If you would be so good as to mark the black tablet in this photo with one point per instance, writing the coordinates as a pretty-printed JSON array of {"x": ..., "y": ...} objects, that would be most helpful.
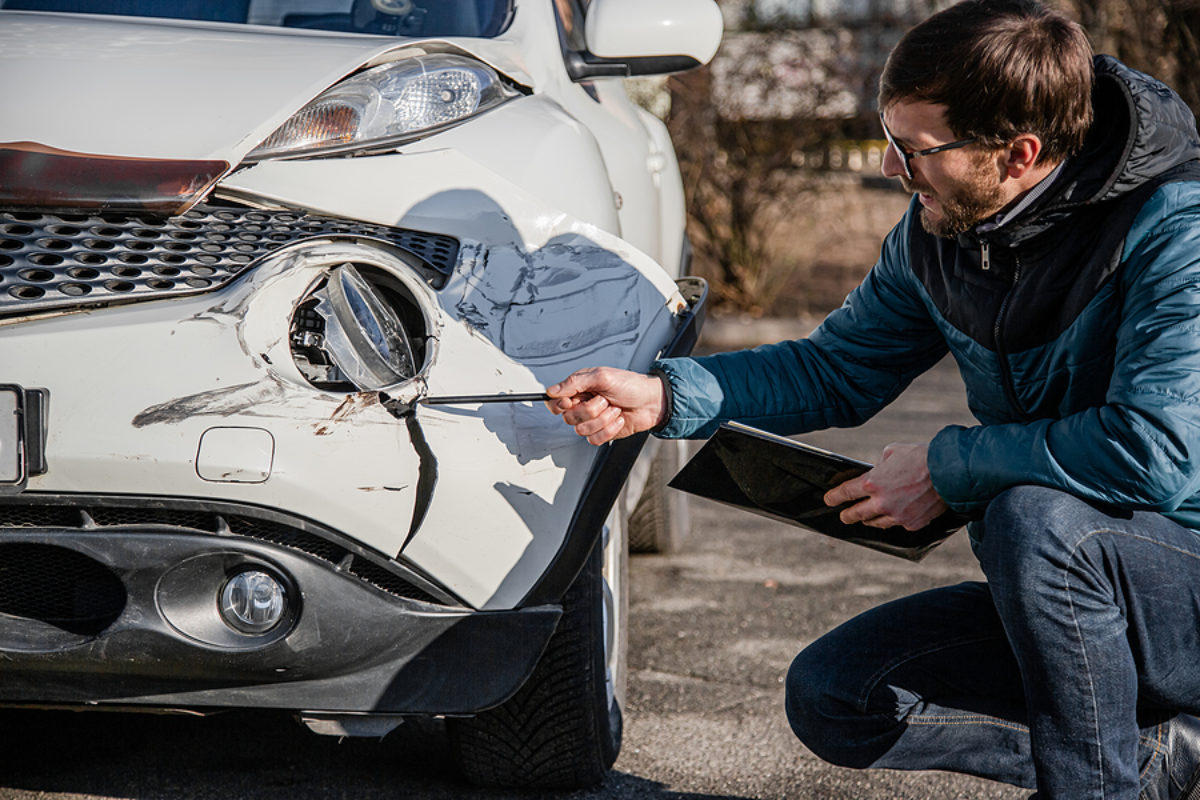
[{"x": 786, "y": 480}]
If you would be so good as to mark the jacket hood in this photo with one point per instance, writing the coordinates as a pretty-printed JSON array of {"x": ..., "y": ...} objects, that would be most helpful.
[{"x": 1141, "y": 129}]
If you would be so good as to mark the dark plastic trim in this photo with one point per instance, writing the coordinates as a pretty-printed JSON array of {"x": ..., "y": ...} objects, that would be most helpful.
[
  {"x": 347, "y": 545},
  {"x": 31, "y": 411},
  {"x": 349, "y": 647},
  {"x": 37, "y": 411},
  {"x": 585, "y": 66}
]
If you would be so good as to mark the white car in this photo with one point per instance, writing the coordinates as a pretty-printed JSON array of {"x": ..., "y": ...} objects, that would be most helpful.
[{"x": 281, "y": 282}]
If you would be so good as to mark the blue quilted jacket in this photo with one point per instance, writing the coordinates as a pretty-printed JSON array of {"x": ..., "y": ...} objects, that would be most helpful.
[{"x": 1075, "y": 327}]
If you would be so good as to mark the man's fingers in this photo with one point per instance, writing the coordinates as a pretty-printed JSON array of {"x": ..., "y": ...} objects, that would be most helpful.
[
  {"x": 859, "y": 512},
  {"x": 610, "y": 431},
  {"x": 596, "y": 423},
  {"x": 603, "y": 428},
  {"x": 575, "y": 383},
  {"x": 603, "y": 403},
  {"x": 897, "y": 491},
  {"x": 588, "y": 381},
  {"x": 846, "y": 491},
  {"x": 587, "y": 410},
  {"x": 560, "y": 405},
  {"x": 868, "y": 513}
]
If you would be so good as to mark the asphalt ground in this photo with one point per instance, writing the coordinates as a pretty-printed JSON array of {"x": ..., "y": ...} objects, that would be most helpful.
[{"x": 713, "y": 630}]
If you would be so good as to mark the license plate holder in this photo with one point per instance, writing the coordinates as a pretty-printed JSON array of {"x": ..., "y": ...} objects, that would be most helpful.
[{"x": 22, "y": 436}]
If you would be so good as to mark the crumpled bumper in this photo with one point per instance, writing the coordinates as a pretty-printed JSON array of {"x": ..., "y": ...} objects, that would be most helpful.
[{"x": 106, "y": 609}]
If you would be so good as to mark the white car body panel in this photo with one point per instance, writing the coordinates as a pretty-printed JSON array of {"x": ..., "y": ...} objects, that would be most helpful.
[{"x": 550, "y": 323}]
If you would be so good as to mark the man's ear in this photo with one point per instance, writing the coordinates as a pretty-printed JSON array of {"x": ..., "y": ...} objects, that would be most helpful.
[{"x": 1021, "y": 155}]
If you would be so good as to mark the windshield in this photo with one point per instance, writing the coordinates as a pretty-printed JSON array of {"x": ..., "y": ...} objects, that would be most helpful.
[{"x": 476, "y": 18}]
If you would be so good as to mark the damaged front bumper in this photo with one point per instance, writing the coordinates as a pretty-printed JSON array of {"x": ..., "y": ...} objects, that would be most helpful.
[
  {"x": 118, "y": 602},
  {"x": 220, "y": 387}
]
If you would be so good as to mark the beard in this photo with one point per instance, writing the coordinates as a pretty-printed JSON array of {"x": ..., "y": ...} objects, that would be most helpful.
[{"x": 966, "y": 204}]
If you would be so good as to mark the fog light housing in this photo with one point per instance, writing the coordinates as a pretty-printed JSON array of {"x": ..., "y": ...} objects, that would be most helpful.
[{"x": 253, "y": 601}]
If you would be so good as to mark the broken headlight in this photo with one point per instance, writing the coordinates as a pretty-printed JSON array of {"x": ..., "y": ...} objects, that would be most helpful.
[
  {"x": 351, "y": 329},
  {"x": 387, "y": 105}
]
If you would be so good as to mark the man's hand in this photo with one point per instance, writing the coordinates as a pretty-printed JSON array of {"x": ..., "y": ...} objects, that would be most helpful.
[
  {"x": 898, "y": 491},
  {"x": 603, "y": 403}
]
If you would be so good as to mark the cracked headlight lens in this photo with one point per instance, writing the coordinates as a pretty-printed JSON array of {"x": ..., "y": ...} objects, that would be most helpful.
[
  {"x": 364, "y": 336},
  {"x": 388, "y": 105}
]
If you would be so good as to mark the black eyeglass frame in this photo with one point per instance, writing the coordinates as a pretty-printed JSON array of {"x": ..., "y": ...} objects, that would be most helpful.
[{"x": 906, "y": 156}]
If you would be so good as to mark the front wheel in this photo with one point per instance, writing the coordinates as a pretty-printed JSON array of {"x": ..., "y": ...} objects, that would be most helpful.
[
  {"x": 660, "y": 519},
  {"x": 562, "y": 729}
]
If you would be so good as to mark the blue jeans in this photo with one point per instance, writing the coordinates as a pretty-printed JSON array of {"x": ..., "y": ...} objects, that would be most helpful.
[{"x": 1061, "y": 673}]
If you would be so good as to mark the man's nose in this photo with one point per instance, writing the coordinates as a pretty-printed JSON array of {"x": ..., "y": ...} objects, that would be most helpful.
[{"x": 893, "y": 164}]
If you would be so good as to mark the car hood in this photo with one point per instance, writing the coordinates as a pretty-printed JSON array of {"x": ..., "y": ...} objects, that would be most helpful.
[{"x": 132, "y": 87}]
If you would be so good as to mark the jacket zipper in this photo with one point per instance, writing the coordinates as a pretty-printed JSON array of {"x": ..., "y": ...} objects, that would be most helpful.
[
  {"x": 1006, "y": 378},
  {"x": 985, "y": 257}
]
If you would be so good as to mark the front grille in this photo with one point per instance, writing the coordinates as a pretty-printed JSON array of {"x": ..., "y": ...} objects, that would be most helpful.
[
  {"x": 39, "y": 517},
  {"x": 92, "y": 517},
  {"x": 59, "y": 587},
  {"x": 54, "y": 261},
  {"x": 105, "y": 517}
]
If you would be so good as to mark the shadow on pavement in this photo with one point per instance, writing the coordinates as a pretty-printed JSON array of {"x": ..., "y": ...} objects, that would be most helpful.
[{"x": 261, "y": 755}]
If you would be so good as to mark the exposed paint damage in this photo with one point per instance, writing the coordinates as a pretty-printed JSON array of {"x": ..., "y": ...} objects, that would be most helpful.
[
  {"x": 245, "y": 398},
  {"x": 541, "y": 306},
  {"x": 519, "y": 317},
  {"x": 353, "y": 404}
]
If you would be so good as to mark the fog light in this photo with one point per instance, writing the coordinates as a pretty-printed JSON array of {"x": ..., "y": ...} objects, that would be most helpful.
[{"x": 253, "y": 601}]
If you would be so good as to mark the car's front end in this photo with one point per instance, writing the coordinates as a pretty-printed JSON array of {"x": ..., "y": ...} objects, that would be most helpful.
[{"x": 239, "y": 266}]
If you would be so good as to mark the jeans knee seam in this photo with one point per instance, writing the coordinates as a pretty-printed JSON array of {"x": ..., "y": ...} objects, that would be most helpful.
[
  {"x": 967, "y": 719},
  {"x": 1087, "y": 667},
  {"x": 1066, "y": 575}
]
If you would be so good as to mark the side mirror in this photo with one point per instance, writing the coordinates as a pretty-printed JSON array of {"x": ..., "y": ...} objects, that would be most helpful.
[{"x": 647, "y": 37}]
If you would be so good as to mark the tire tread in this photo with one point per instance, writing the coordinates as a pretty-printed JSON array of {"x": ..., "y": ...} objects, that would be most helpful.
[{"x": 553, "y": 733}]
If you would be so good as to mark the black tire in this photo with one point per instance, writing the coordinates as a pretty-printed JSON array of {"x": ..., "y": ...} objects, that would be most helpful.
[
  {"x": 659, "y": 521},
  {"x": 559, "y": 731}
]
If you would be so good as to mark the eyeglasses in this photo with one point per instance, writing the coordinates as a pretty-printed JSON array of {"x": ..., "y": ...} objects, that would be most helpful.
[{"x": 906, "y": 156}]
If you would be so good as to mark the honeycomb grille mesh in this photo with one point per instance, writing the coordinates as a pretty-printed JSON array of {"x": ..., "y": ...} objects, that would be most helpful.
[
  {"x": 58, "y": 586},
  {"x": 52, "y": 261}
]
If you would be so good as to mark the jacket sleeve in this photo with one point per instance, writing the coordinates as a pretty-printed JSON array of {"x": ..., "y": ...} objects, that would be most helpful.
[
  {"x": 856, "y": 362},
  {"x": 1141, "y": 448}
]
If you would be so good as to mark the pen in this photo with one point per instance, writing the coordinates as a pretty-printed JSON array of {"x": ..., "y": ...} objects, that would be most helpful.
[{"x": 466, "y": 399}]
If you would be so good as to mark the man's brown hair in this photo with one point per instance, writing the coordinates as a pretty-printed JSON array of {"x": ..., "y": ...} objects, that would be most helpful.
[{"x": 1001, "y": 68}]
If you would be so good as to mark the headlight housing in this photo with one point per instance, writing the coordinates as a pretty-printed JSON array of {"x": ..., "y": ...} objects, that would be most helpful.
[
  {"x": 385, "y": 106},
  {"x": 363, "y": 334},
  {"x": 358, "y": 329}
]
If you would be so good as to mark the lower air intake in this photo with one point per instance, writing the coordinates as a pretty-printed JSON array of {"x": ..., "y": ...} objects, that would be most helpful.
[{"x": 59, "y": 587}]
